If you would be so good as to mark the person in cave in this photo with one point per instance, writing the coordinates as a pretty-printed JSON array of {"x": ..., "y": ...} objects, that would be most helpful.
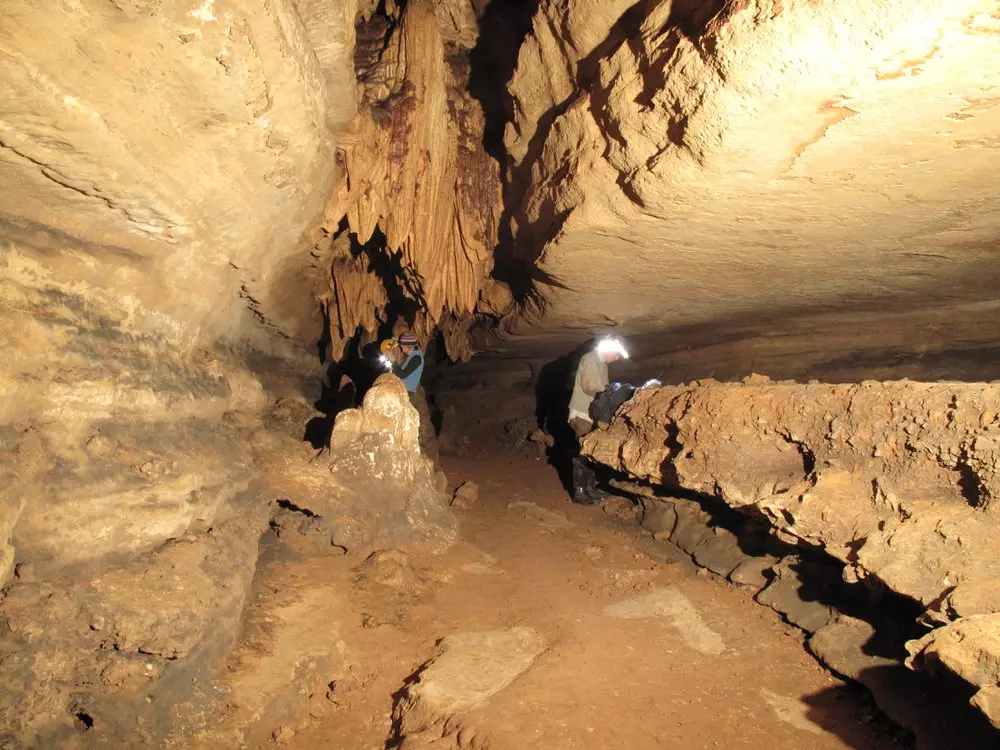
[
  {"x": 591, "y": 379},
  {"x": 408, "y": 366}
]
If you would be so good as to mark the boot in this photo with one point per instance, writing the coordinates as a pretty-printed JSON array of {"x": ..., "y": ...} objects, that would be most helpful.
[{"x": 585, "y": 490}]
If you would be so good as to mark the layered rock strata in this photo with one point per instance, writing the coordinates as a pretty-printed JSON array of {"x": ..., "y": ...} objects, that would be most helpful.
[{"x": 896, "y": 480}]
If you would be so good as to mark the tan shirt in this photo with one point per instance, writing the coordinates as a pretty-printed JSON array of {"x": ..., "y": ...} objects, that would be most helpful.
[{"x": 591, "y": 379}]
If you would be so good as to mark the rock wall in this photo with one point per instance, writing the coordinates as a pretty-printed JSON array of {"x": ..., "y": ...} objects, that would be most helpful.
[
  {"x": 165, "y": 168},
  {"x": 159, "y": 160},
  {"x": 896, "y": 480},
  {"x": 123, "y": 610}
]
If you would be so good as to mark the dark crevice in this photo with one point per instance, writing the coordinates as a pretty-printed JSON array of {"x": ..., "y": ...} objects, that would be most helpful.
[
  {"x": 396, "y": 737},
  {"x": 285, "y": 504},
  {"x": 970, "y": 483},
  {"x": 82, "y": 721}
]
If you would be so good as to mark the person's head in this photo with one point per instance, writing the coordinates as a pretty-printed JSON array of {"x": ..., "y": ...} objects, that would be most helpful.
[
  {"x": 407, "y": 342},
  {"x": 611, "y": 350},
  {"x": 389, "y": 351}
]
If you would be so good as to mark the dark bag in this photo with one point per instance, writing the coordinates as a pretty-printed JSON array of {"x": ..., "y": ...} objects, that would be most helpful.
[{"x": 606, "y": 403}]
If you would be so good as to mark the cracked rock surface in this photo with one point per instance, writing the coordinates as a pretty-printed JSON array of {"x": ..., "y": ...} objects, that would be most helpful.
[{"x": 896, "y": 480}]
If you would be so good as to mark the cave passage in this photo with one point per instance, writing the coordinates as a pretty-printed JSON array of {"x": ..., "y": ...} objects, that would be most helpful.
[{"x": 302, "y": 303}]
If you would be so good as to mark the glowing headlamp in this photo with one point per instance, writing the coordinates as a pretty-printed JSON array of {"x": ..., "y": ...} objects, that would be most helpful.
[{"x": 612, "y": 345}]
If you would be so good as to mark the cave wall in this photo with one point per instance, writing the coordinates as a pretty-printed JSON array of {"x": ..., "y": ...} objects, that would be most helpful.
[
  {"x": 165, "y": 168},
  {"x": 158, "y": 159}
]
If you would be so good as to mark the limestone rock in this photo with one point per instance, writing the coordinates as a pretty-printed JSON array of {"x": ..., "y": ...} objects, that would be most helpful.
[
  {"x": 375, "y": 489},
  {"x": 888, "y": 477},
  {"x": 973, "y": 598},
  {"x": 416, "y": 172},
  {"x": 466, "y": 495},
  {"x": 148, "y": 627},
  {"x": 842, "y": 646},
  {"x": 969, "y": 648},
  {"x": 719, "y": 552},
  {"x": 541, "y": 437},
  {"x": 788, "y": 595},
  {"x": 658, "y": 516},
  {"x": 692, "y": 527},
  {"x": 467, "y": 670},
  {"x": 753, "y": 572}
]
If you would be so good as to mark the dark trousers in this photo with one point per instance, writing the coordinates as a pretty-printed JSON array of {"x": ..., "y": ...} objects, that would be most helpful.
[{"x": 584, "y": 477}]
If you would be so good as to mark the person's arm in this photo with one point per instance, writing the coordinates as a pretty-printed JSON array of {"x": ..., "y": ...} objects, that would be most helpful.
[
  {"x": 590, "y": 377},
  {"x": 409, "y": 368}
]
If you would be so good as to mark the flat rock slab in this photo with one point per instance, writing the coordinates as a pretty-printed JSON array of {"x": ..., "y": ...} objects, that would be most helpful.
[
  {"x": 547, "y": 519},
  {"x": 783, "y": 595},
  {"x": 467, "y": 670},
  {"x": 791, "y": 711},
  {"x": 481, "y": 569},
  {"x": 753, "y": 572},
  {"x": 671, "y": 604}
]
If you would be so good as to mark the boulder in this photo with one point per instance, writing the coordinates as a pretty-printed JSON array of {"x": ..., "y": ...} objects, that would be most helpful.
[
  {"x": 753, "y": 572},
  {"x": 692, "y": 526},
  {"x": 465, "y": 496},
  {"x": 843, "y": 646},
  {"x": 375, "y": 489},
  {"x": 969, "y": 648},
  {"x": 719, "y": 552}
]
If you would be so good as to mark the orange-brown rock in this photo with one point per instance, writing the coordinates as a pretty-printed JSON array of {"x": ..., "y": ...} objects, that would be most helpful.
[
  {"x": 707, "y": 164},
  {"x": 415, "y": 171},
  {"x": 898, "y": 480}
]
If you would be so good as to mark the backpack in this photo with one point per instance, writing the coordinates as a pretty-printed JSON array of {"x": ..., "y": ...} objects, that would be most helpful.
[{"x": 606, "y": 403}]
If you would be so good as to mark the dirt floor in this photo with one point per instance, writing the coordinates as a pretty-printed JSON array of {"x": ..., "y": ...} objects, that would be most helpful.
[{"x": 640, "y": 650}]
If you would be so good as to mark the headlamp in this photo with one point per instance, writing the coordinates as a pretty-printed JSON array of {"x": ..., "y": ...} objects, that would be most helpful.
[{"x": 609, "y": 344}]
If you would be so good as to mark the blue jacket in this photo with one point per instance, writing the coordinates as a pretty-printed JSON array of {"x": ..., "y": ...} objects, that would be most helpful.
[{"x": 411, "y": 370}]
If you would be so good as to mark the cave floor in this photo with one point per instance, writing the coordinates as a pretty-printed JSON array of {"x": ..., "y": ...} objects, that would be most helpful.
[{"x": 719, "y": 671}]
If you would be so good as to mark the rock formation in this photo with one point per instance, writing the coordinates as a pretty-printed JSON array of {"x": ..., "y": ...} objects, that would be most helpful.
[
  {"x": 416, "y": 174},
  {"x": 126, "y": 603},
  {"x": 681, "y": 163},
  {"x": 208, "y": 200},
  {"x": 896, "y": 480}
]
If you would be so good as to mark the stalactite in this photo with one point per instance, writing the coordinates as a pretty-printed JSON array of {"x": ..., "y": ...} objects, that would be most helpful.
[{"x": 414, "y": 168}]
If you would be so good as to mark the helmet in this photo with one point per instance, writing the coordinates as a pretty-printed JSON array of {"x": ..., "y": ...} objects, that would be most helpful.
[
  {"x": 387, "y": 346},
  {"x": 407, "y": 339}
]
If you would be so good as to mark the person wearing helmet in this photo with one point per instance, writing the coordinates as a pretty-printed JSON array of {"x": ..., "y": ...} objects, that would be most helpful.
[
  {"x": 591, "y": 379},
  {"x": 408, "y": 366}
]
